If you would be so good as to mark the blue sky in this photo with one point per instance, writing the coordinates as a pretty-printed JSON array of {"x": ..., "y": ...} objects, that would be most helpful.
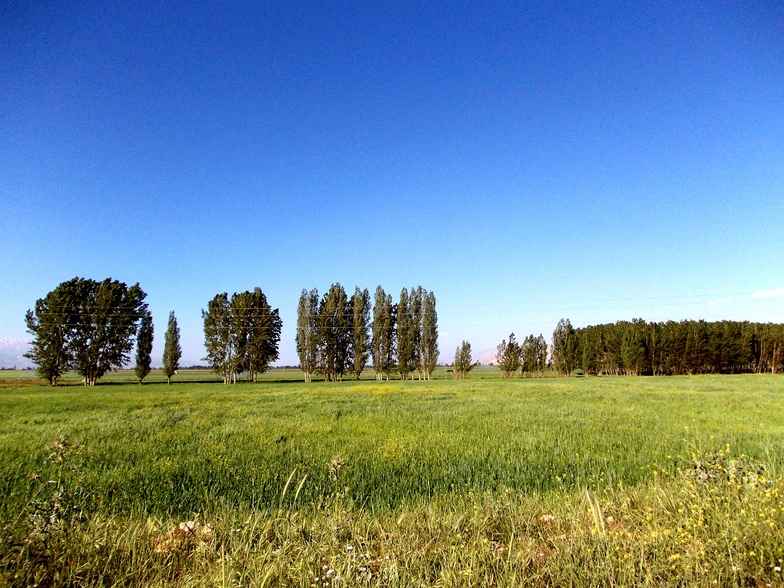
[{"x": 525, "y": 161}]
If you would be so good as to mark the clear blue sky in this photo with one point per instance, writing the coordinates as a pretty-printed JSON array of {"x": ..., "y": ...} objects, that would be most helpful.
[{"x": 525, "y": 161}]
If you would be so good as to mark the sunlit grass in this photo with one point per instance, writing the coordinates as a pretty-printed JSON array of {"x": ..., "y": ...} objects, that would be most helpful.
[{"x": 419, "y": 464}]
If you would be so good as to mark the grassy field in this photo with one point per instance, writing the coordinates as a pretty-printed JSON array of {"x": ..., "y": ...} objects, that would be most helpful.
[{"x": 583, "y": 481}]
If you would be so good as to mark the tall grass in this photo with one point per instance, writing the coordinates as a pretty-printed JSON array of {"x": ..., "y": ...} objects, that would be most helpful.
[{"x": 459, "y": 482}]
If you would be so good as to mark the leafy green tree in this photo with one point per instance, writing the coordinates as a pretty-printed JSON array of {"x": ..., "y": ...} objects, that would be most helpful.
[
  {"x": 85, "y": 325},
  {"x": 377, "y": 334},
  {"x": 541, "y": 353},
  {"x": 241, "y": 334},
  {"x": 264, "y": 339},
  {"x": 172, "y": 353},
  {"x": 360, "y": 306},
  {"x": 383, "y": 344},
  {"x": 415, "y": 316},
  {"x": 219, "y": 339},
  {"x": 308, "y": 332},
  {"x": 564, "y": 347},
  {"x": 533, "y": 355},
  {"x": 144, "y": 339},
  {"x": 335, "y": 333},
  {"x": 51, "y": 324},
  {"x": 633, "y": 349},
  {"x": 103, "y": 335},
  {"x": 256, "y": 329},
  {"x": 405, "y": 336},
  {"x": 390, "y": 341},
  {"x": 429, "y": 334},
  {"x": 509, "y": 356},
  {"x": 464, "y": 363}
]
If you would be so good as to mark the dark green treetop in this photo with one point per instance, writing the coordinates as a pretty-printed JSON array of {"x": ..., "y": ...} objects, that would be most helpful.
[
  {"x": 85, "y": 325},
  {"x": 171, "y": 348},
  {"x": 464, "y": 363},
  {"x": 144, "y": 339},
  {"x": 360, "y": 306}
]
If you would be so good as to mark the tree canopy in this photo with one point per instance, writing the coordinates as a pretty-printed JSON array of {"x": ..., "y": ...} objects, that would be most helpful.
[
  {"x": 360, "y": 306},
  {"x": 144, "y": 347},
  {"x": 171, "y": 348},
  {"x": 241, "y": 334},
  {"x": 509, "y": 356},
  {"x": 338, "y": 335},
  {"x": 638, "y": 348},
  {"x": 85, "y": 325},
  {"x": 564, "y": 348},
  {"x": 464, "y": 363},
  {"x": 384, "y": 342},
  {"x": 308, "y": 332},
  {"x": 335, "y": 336}
]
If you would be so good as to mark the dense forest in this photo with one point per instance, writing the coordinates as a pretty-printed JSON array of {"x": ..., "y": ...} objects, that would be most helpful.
[{"x": 639, "y": 348}]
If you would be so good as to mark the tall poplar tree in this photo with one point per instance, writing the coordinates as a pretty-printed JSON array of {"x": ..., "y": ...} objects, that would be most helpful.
[
  {"x": 377, "y": 337},
  {"x": 171, "y": 348},
  {"x": 415, "y": 302},
  {"x": 529, "y": 354},
  {"x": 541, "y": 353},
  {"x": 564, "y": 347},
  {"x": 405, "y": 336},
  {"x": 335, "y": 333},
  {"x": 219, "y": 337},
  {"x": 308, "y": 332},
  {"x": 360, "y": 306},
  {"x": 384, "y": 340},
  {"x": 429, "y": 334},
  {"x": 144, "y": 339},
  {"x": 509, "y": 356}
]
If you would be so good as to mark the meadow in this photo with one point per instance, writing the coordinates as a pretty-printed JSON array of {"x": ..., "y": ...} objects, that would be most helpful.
[{"x": 476, "y": 482}]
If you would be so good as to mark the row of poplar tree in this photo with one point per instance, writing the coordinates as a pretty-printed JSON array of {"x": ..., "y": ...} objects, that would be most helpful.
[
  {"x": 338, "y": 334},
  {"x": 638, "y": 348},
  {"x": 91, "y": 327}
]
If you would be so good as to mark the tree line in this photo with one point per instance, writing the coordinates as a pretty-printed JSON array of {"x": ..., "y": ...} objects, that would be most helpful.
[
  {"x": 91, "y": 327},
  {"x": 339, "y": 335},
  {"x": 688, "y": 347}
]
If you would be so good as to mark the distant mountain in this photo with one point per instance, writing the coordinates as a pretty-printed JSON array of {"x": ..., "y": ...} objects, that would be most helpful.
[
  {"x": 485, "y": 356},
  {"x": 12, "y": 352}
]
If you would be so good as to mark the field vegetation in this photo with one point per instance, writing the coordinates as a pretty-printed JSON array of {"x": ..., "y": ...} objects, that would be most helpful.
[{"x": 481, "y": 481}]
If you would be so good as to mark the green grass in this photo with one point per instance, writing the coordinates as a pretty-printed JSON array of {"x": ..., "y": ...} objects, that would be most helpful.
[{"x": 418, "y": 458}]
